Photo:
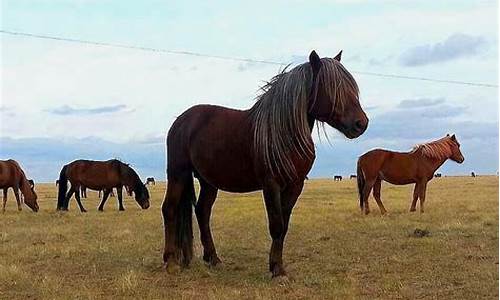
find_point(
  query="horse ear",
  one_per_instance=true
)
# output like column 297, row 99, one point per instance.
column 453, row 137
column 338, row 56
column 447, row 134
column 315, row 62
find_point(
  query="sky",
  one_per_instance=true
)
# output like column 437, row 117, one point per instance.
column 63, row 101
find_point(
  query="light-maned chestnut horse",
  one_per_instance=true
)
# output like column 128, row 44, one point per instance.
column 268, row 147
column 100, row 175
column 13, row 176
column 417, row 166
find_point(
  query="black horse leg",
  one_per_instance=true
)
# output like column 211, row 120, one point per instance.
column 68, row 197
column 203, row 210
column 120, row 199
column 77, row 197
column 105, row 194
column 18, row 198
column 272, row 199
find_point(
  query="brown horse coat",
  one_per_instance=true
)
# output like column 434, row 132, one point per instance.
column 100, row 175
column 417, row 166
column 268, row 147
column 12, row 176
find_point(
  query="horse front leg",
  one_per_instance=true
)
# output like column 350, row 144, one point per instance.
column 272, row 199
column 119, row 191
column 423, row 189
column 288, row 200
column 18, row 198
column 416, row 192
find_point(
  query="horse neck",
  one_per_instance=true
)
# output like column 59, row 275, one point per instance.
column 434, row 163
column 25, row 186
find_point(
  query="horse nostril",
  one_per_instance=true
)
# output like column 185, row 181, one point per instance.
column 359, row 125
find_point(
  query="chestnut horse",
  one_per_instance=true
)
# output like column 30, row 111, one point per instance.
column 100, row 175
column 417, row 166
column 12, row 176
column 268, row 147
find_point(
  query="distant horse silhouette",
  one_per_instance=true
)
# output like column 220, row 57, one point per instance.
column 150, row 180
column 100, row 175
column 352, row 176
column 417, row 166
column 437, row 175
column 337, row 178
column 472, row 174
column 268, row 147
column 13, row 176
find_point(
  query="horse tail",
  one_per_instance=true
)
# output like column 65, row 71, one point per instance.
column 185, row 221
column 361, row 183
column 63, row 187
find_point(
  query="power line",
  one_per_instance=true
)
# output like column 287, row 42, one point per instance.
column 230, row 58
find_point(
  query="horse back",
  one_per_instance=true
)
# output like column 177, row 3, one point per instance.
column 215, row 143
column 391, row 166
column 95, row 175
column 10, row 173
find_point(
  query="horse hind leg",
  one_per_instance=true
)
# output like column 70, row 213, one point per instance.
column 366, row 194
column 376, row 194
column 203, row 210
column 105, row 195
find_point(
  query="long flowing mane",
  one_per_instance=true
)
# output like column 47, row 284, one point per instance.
column 439, row 149
column 280, row 113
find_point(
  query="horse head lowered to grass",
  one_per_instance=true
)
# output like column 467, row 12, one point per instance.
column 268, row 147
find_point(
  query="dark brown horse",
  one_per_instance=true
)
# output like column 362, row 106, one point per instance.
column 417, row 166
column 12, row 176
column 100, row 175
column 268, row 147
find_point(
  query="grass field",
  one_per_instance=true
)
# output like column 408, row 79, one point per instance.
column 331, row 251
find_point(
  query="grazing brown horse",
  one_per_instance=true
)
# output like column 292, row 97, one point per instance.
column 12, row 176
column 268, row 147
column 100, row 175
column 417, row 166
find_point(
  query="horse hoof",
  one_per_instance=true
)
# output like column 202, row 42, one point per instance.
column 281, row 280
column 121, row 209
column 172, row 268
column 213, row 262
column 100, row 209
column 278, row 271
column 84, row 210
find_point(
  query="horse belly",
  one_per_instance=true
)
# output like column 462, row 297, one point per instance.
column 226, row 172
column 397, row 174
